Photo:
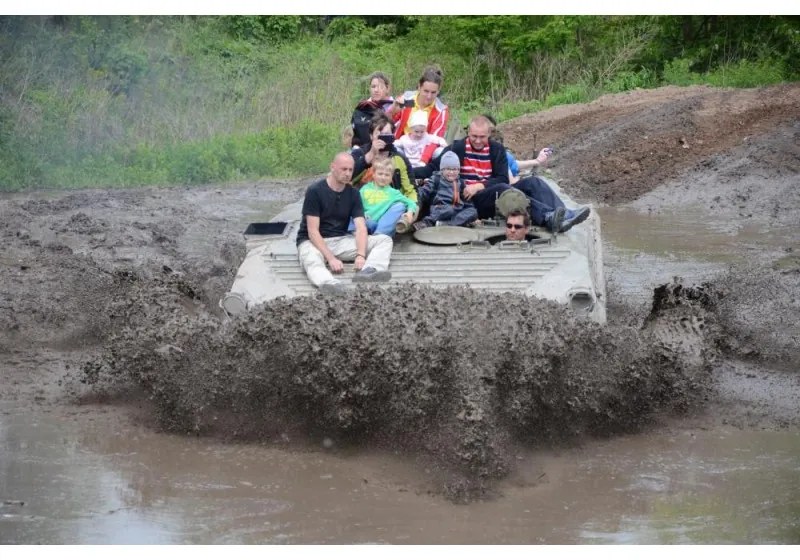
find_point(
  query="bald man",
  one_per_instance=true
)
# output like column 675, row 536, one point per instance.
column 323, row 241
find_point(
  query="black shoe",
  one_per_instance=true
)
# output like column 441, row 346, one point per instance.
column 575, row 217
column 369, row 274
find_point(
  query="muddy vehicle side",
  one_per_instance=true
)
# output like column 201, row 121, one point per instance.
column 566, row 268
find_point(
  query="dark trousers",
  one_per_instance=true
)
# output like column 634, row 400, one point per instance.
column 543, row 198
column 485, row 199
column 450, row 216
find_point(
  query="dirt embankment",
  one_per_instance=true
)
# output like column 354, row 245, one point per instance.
column 125, row 283
column 623, row 146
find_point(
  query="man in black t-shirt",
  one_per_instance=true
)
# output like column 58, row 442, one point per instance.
column 329, row 205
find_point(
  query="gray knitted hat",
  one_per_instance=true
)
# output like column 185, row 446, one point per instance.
column 449, row 159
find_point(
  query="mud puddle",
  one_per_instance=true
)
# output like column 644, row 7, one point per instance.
column 98, row 482
column 690, row 235
column 643, row 250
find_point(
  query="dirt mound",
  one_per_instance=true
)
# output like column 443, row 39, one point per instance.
column 621, row 146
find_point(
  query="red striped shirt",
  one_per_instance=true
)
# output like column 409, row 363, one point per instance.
column 477, row 165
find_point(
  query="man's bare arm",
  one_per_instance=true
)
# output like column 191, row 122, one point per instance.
column 361, row 242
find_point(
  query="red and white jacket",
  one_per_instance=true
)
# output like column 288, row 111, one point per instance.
column 437, row 118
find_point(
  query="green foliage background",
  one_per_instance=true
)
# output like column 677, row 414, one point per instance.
column 121, row 101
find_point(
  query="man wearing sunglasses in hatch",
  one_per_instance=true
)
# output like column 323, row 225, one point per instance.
column 517, row 225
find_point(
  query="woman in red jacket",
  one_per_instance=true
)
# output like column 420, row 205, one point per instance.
column 426, row 98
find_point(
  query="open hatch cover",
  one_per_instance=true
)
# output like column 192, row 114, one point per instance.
column 446, row 235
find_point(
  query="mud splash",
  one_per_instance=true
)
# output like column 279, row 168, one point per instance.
column 406, row 367
column 760, row 312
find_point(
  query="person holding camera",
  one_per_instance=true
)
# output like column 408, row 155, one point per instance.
column 426, row 99
column 380, row 147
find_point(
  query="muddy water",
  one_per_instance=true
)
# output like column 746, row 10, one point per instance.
column 690, row 234
column 644, row 250
column 69, row 477
column 86, row 482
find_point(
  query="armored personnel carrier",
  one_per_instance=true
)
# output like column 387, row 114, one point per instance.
column 566, row 268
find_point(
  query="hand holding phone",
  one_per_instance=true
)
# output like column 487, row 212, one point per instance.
column 387, row 139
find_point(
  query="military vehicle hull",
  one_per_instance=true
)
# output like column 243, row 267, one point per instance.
column 566, row 268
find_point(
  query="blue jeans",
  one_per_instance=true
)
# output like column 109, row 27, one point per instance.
column 386, row 223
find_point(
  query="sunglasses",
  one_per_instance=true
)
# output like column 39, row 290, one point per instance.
column 515, row 226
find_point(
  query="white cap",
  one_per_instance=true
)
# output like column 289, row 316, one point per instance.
column 418, row 118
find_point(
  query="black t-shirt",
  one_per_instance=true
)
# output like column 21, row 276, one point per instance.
column 333, row 208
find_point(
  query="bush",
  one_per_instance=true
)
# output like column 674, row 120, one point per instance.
column 677, row 73
column 576, row 93
column 746, row 73
column 627, row 80
column 741, row 73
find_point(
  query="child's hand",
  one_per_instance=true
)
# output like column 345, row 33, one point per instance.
column 409, row 216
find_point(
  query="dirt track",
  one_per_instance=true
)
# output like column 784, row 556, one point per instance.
column 78, row 267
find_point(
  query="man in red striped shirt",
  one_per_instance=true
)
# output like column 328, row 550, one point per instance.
column 484, row 168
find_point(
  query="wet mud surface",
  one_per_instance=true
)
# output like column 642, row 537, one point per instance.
column 108, row 315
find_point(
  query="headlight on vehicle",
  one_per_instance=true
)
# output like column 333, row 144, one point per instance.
column 581, row 301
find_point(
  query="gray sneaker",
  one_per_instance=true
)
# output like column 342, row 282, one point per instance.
column 369, row 274
column 575, row 217
column 335, row 288
column 555, row 220
column 402, row 226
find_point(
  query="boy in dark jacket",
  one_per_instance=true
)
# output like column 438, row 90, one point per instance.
column 445, row 194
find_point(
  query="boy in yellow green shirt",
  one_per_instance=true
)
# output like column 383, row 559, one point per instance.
column 385, row 206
